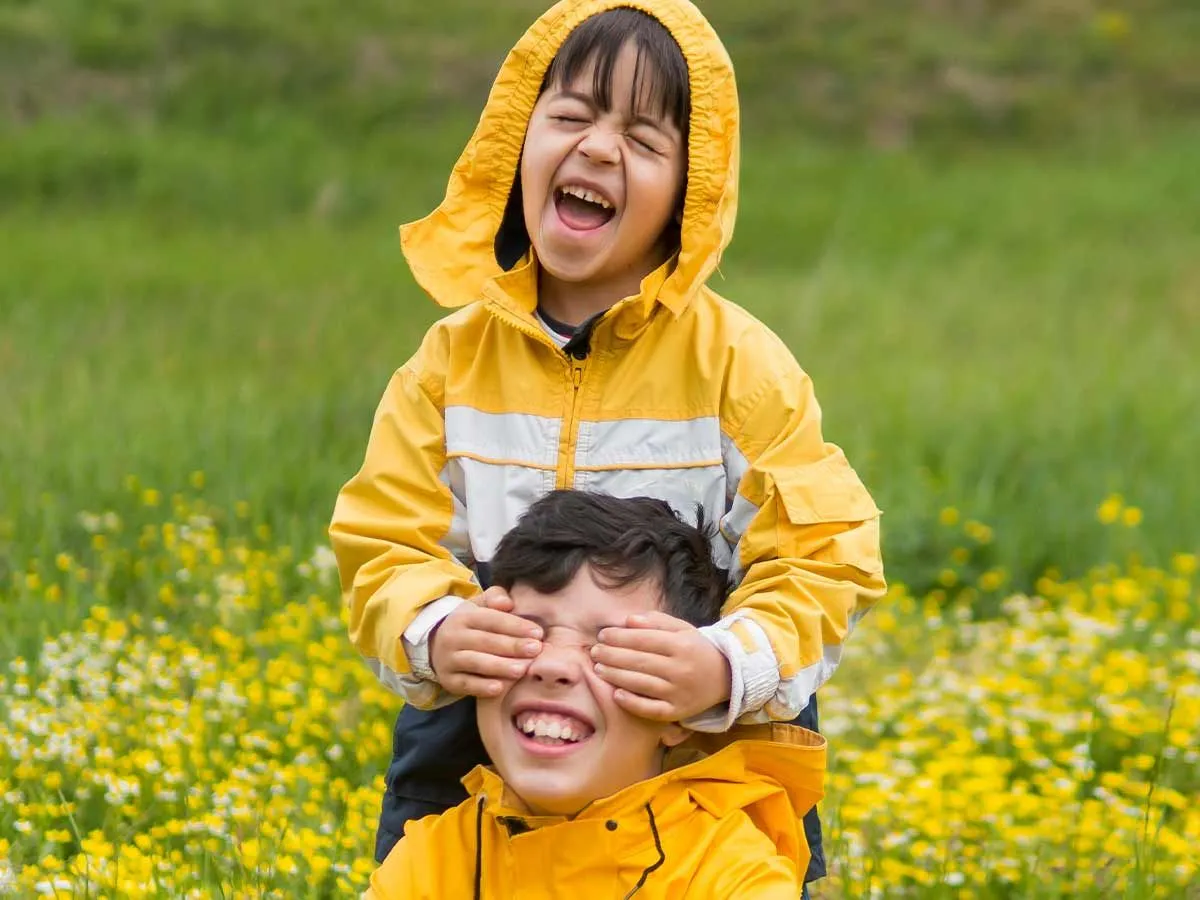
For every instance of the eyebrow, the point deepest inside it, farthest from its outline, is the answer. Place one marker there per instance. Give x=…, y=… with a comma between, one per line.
x=639, y=119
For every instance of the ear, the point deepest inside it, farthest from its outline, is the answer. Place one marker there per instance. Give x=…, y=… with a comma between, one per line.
x=674, y=734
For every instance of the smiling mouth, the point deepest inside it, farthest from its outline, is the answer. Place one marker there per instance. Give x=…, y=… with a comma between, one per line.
x=581, y=209
x=551, y=731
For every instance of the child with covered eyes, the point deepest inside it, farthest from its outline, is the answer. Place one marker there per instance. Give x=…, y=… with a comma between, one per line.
x=585, y=799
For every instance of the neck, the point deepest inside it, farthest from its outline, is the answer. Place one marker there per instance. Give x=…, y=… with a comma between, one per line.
x=574, y=302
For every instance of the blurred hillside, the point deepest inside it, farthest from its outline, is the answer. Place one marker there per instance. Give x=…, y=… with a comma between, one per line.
x=126, y=99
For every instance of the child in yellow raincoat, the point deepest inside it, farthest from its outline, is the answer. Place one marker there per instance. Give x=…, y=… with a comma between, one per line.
x=585, y=799
x=578, y=231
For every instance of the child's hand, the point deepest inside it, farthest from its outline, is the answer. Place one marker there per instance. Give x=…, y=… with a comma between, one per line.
x=481, y=646
x=663, y=668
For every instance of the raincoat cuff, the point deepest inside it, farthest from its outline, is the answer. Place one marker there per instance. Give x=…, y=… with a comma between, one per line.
x=754, y=672
x=416, y=636
x=722, y=716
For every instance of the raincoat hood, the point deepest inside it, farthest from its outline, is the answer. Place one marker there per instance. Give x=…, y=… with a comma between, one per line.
x=453, y=252
x=723, y=820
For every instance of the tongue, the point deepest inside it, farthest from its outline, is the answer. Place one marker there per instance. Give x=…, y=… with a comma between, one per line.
x=580, y=214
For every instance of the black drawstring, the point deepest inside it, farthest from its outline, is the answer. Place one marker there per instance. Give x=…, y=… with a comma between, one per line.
x=662, y=857
x=479, y=849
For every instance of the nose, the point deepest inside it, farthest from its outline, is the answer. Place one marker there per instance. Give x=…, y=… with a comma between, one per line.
x=600, y=145
x=557, y=665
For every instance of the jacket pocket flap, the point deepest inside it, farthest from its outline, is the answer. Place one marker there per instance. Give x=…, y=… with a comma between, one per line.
x=826, y=491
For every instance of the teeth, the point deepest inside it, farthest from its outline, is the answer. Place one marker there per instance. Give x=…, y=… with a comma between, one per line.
x=584, y=194
x=552, y=727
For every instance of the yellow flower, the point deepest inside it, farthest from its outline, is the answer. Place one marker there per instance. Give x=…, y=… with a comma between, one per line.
x=1112, y=25
x=1184, y=563
x=151, y=497
x=948, y=516
x=197, y=480
x=1110, y=509
x=1131, y=517
x=992, y=580
x=977, y=531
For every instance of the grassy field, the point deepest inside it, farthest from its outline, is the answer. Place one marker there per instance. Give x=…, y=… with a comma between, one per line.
x=978, y=233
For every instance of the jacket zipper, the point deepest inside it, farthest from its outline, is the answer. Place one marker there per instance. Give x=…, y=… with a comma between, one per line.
x=564, y=475
x=566, y=466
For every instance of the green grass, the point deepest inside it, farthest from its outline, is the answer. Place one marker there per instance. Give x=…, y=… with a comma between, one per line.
x=201, y=272
x=1006, y=331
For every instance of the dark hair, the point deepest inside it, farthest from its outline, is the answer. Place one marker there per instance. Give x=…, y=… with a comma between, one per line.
x=622, y=541
x=600, y=39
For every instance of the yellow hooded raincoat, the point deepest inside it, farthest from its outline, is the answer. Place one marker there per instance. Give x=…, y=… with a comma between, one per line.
x=722, y=822
x=683, y=396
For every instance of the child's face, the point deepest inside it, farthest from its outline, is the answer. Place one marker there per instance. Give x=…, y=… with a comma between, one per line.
x=593, y=747
x=628, y=158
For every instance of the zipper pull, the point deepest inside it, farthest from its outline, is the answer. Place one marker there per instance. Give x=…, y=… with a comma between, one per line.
x=577, y=378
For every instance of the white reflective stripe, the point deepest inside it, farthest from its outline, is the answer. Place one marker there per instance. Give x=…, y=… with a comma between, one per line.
x=683, y=489
x=416, y=636
x=495, y=496
x=649, y=443
x=733, y=527
x=420, y=693
x=456, y=540
x=736, y=466
x=794, y=693
x=502, y=437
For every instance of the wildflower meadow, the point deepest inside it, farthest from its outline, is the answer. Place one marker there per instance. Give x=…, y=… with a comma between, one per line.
x=975, y=224
x=198, y=727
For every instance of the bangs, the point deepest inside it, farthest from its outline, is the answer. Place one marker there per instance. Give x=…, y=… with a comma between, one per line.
x=660, y=80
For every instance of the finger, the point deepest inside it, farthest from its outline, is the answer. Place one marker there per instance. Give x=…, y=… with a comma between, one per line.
x=499, y=622
x=634, y=660
x=659, y=620
x=664, y=643
x=494, y=644
x=496, y=598
x=648, y=686
x=473, y=686
x=487, y=665
x=645, y=707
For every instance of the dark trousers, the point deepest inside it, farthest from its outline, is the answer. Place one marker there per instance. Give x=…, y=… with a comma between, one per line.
x=432, y=752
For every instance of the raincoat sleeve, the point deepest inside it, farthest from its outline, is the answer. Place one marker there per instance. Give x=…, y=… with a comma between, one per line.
x=803, y=535
x=395, y=528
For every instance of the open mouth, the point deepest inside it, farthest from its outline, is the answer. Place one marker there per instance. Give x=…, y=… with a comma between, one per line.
x=547, y=732
x=582, y=209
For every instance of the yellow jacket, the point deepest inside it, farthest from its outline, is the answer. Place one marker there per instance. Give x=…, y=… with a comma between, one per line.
x=684, y=396
x=726, y=825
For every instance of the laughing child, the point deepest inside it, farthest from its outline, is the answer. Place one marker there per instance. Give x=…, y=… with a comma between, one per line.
x=577, y=233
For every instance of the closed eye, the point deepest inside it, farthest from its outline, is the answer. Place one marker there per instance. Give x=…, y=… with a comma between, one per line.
x=645, y=145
